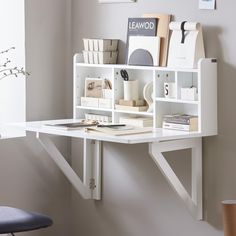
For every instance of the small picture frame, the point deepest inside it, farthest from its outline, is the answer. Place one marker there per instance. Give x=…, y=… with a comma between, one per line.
x=207, y=4
x=93, y=87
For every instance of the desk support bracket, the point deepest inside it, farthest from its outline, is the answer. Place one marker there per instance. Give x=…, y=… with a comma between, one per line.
x=90, y=187
x=193, y=201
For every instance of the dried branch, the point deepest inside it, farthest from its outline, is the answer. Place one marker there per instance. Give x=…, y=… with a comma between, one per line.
x=14, y=71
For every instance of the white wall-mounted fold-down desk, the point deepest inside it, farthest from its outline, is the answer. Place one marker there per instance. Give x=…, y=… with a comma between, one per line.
x=159, y=141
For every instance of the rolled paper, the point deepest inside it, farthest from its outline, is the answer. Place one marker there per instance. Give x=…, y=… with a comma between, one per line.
x=229, y=217
x=188, y=26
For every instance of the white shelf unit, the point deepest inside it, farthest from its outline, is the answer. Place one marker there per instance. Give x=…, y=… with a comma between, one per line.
x=204, y=78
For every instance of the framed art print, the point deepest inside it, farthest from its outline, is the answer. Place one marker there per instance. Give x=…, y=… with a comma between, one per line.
x=207, y=4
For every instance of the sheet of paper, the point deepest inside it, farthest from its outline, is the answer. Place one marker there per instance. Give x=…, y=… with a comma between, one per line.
x=207, y=4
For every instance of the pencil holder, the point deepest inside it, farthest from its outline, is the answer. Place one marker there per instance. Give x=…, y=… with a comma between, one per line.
x=131, y=90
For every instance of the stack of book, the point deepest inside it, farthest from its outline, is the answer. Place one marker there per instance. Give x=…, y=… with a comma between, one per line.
x=137, y=121
x=131, y=105
x=181, y=122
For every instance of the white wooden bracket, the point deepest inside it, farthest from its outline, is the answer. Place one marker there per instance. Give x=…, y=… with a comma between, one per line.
x=90, y=187
x=193, y=201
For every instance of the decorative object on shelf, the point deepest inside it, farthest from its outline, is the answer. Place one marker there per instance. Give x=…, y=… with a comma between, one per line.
x=207, y=4
x=163, y=33
x=117, y=1
x=94, y=87
x=8, y=71
x=144, y=50
x=229, y=217
x=189, y=94
x=100, y=51
x=186, y=45
x=169, y=90
x=140, y=27
x=148, y=95
x=180, y=122
x=132, y=103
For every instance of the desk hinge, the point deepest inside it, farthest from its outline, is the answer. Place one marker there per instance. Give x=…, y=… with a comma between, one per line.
x=92, y=184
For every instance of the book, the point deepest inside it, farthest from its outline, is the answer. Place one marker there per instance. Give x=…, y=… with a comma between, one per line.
x=130, y=108
x=181, y=119
x=119, y=131
x=144, y=50
x=137, y=121
x=70, y=126
x=163, y=33
x=132, y=103
x=182, y=127
x=140, y=27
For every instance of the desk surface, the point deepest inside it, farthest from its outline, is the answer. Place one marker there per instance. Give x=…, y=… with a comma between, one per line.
x=155, y=136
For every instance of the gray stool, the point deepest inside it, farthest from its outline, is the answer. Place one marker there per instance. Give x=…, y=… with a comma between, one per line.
x=13, y=220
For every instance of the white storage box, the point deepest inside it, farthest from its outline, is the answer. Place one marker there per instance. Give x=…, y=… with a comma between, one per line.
x=107, y=93
x=105, y=45
x=86, y=57
x=86, y=44
x=91, y=45
x=189, y=94
x=91, y=60
x=105, y=103
x=107, y=57
x=92, y=57
x=99, y=118
x=89, y=102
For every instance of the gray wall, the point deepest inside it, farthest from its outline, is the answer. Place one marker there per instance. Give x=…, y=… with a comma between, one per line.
x=28, y=178
x=136, y=198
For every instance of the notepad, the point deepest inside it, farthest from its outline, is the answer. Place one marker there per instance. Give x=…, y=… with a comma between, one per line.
x=69, y=126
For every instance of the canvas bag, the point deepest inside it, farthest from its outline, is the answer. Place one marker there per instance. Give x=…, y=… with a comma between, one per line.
x=186, y=44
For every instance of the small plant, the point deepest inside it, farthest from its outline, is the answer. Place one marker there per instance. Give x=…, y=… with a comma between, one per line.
x=6, y=70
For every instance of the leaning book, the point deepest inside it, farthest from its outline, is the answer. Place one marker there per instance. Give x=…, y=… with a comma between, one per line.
x=140, y=27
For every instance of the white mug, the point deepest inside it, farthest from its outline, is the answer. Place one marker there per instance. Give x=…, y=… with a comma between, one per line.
x=169, y=90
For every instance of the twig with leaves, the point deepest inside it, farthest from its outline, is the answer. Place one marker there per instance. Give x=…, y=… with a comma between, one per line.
x=12, y=71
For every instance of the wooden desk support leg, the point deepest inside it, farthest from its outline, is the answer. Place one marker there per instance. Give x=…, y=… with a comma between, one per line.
x=90, y=188
x=193, y=202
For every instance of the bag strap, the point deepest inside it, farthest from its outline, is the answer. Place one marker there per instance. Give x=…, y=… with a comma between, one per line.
x=183, y=31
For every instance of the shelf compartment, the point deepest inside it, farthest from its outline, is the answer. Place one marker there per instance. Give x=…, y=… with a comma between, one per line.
x=143, y=77
x=186, y=80
x=162, y=77
x=169, y=108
